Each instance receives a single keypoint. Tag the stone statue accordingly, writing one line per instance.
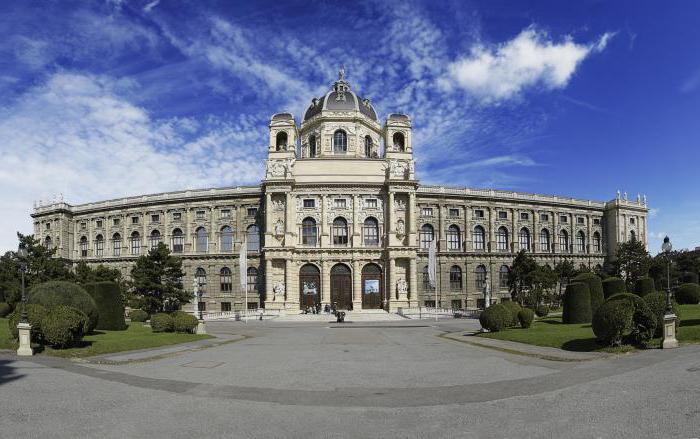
(618, 194)
(402, 287)
(279, 228)
(487, 292)
(278, 289)
(400, 227)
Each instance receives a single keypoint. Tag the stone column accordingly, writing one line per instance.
(492, 230)
(412, 220)
(290, 288)
(269, 295)
(324, 228)
(391, 292)
(555, 232)
(390, 219)
(356, 227)
(356, 285)
(413, 283)
(325, 283)
(268, 227)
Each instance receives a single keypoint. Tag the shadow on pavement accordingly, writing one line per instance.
(7, 372)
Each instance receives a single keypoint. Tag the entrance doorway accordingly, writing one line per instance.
(309, 286)
(372, 287)
(341, 286)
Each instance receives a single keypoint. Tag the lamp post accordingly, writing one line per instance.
(24, 327)
(197, 287)
(669, 336)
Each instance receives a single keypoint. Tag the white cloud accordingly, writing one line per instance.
(531, 59)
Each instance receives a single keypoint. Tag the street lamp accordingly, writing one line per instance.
(669, 336)
(23, 327)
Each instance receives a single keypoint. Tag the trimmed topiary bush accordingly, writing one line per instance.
(657, 304)
(613, 321)
(612, 286)
(577, 304)
(184, 322)
(110, 309)
(35, 313)
(690, 278)
(688, 294)
(643, 286)
(525, 317)
(541, 311)
(643, 324)
(495, 318)
(138, 315)
(514, 309)
(63, 326)
(56, 293)
(162, 322)
(5, 309)
(595, 288)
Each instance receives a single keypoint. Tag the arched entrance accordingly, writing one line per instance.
(372, 287)
(341, 286)
(309, 286)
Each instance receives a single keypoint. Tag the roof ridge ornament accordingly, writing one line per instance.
(341, 85)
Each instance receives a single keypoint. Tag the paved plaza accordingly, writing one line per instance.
(399, 379)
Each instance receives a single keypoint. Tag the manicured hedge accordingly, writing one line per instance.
(495, 318)
(63, 326)
(613, 321)
(612, 286)
(5, 309)
(108, 298)
(689, 278)
(514, 309)
(595, 288)
(184, 322)
(138, 315)
(542, 310)
(577, 303)
(657, 304)
(644, 285)
(162, 322)
(688, 294)
(56, 293)
(35, 313)
(525, 317)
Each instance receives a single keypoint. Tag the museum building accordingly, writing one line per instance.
(341, 218)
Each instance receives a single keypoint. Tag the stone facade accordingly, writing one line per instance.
(340, 217)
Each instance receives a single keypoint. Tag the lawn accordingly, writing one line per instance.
(137, 336)
(551, 332)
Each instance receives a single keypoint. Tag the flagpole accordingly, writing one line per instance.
(243, 272)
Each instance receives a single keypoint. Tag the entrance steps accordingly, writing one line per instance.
(374, 315)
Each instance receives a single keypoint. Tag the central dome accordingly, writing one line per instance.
(340, 98)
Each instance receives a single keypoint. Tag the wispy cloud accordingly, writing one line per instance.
(691, 83)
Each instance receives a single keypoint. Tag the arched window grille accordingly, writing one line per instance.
(226, 239)
(99, 245)
(563, 241)
(83, 247)
(135, 243)
(503, 276)
(455, 278)
(252, 280)
(426, 235)
(524, 239)
(154, 239)
(370, 232)
(596, 242)
(502, 239)
(116, 244)
(253, 238)
(340, 232)
(425, 278)
(309, 232)
(281, 141)
(580, 242)
(544, 240)
(340, 142)
(178, 241)
(399, 142)
(201, 240)
(480, 277)
(47, 243)
(201, 276)
(479, 237)
(312, 146)
(368, 146)
(226, 280)
(454, 238)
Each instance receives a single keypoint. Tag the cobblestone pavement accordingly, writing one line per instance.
(398, 379)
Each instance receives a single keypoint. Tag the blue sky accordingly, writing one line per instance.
(108, 99)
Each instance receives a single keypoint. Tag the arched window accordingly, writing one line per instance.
(455, 278)
(502, 239)
(633, 236)
(47, 243)
(478, 238)
(178, 241)
(309, 232)
(154, 239)
(83, 247)
(99, 245)
(368, 146)
(116, 244)
(503, 276)
(426, 235)
(426, 278)
(226, 239)
(399, 142)
(340, 232)
(544, 240)
(480, 277)
(340, 142)
(281, 141)
(563, 241)
(225, 280)
(201, 276)
(253, 238)
(370, 232)
(201, 240)
(454, 238)
(596, 243)
(135, 243)
(252, 280)
(580, 242)
(524, 239)
(312, 146)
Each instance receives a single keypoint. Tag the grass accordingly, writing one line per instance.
(689, 331)
(136, 336)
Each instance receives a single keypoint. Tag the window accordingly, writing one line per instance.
(453, 213)
(340, 203)
(252, 211)
(524, 216)
(563, 241)
(83, 247)
(596, 221)
(524, 239)
(503, 276)
(427, 211)
(580, 220)
(455, 278)
(134, 220)
(633, 236)
(544, 217)
(478, 213)
(225, 306)
(480, 277)
(371, 203)
(632, 221)
(370, 232)
(177, 216)
(340, 232)
(117, 244)
(252, 306)
(340, 142)
(502, 214)
(155, 218)
(399, 142)
(309, 233)
(544, 240)
(200, 214)
(99, 245)
(368, 146)
(225, 280)
(135, 243)
(201, 240)
(226, 239)
(596, 242)
(563, 219)
(426, 236)
(429, 304)
(309, 203)
(201, 306)
(48, 226)
(154, 239)
(252, 280)
(454, 239)
(115, 221)
(580, 242)
(178, 241)
(281, 141)
(98, 224)
(47, 243)
(502, 239)
(225, 213)
(456, 303)
(253, 238)
(478, 238)
(83, 226)
(312, 146)
(426, 278)
(201, 276)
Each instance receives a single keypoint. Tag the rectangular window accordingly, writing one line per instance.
(117, 246)
(115, 222)
(83, 226)
(456, 304)
(252, 211)
(135, 245)
(155, 218)
(225, 306)
(580, 220)
(177, 216)
(524, 216)
(200, 214)
(453, 212)
(309, 203)
(226, 283)
(134, 220)
(429, 304)
(225, 213)
(502, 214)
(544, 217)
(564, 219)
(478, 213)
(99, 247)
(98, 224)
(632, 221)
(596, 221)
(252, 305)
(371, 203)
(427, 211)
(48, 226)
(178, 243)
(339, 203)
(201, 306)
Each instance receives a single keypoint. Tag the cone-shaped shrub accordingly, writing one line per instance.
(525, 317)
(495, 318)
(577, 304)
(643, 286)
(514, 309)
(138, 315)
(595, 288)
(54, 293)
(612, 286)
(688, 294)
(110, 308)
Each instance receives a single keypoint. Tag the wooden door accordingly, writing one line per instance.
(372, 287)
(309, 286)
(341, 287)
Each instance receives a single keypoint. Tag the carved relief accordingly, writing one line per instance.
(279, 168)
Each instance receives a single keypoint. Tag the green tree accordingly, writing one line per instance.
(565, 271)
(632, 261)
(520, 277)
(85, 274)
(156, 280)
(543, 280)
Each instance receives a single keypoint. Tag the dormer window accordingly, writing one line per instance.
(399, 142)
(312, 146)
(340, 142)
(281, 141)
(368, 146)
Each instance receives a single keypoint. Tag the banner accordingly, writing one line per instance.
(243, 264)
(432, 262)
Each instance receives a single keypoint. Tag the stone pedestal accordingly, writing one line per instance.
(669, 341)
(25, 345)
(201, 327)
